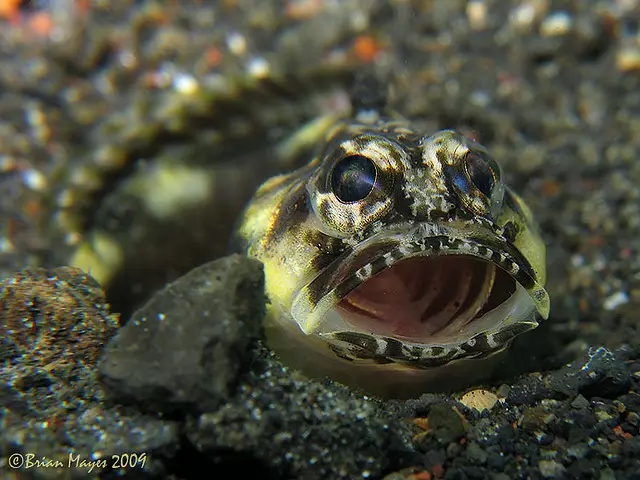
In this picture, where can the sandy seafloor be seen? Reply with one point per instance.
(131, 135)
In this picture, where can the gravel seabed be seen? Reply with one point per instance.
(112, 101)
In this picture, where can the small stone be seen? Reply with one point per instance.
(628, 58)
(544, 438)
(187, 346)
(631, 401)
(536, 419)
(551, 469)
(606, 413)
(34, 179)
(607, 474)
(477, 14)
(599, 373)
(578, 451)
(476, 454)
(503, 391)
(631, 447)
(237, 43)
(614, 301)
(453, 450)
(633, 419)
(258, 67)
(556, 24)
(446, 423)
(580, 402)
(526, 13)
(500, 476)
(527, 391)
(583, 468)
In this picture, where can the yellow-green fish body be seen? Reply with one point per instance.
(395, 261)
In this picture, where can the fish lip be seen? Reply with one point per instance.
(347, 272)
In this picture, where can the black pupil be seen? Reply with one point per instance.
(480, 173)
(353, 178)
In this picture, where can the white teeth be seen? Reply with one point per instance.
(365, 272)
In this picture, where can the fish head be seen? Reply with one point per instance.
(392, 246)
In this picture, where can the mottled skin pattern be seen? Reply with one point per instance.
(317, 249)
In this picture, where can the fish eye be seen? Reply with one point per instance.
(353, 178)
(480, 172)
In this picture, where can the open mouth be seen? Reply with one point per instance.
(430, 299)
(424, 286)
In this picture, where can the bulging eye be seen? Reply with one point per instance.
(353, 178)
(481, 172)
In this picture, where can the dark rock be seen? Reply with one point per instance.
(453, 450)
(580, 402)
(598, 373)
(575, 426)
(496, 460)
(536, 419)
(631, 447)
(527, 391)
(434, 458)
(187, 346)
(476, 454)
(584, 468)
(631, 401)
(455, 474)
(551, 469)
(500, 476)
(419, 407)
(473, 472)
(544, 439)
(446, 423)
(507, 437)
(53, 325)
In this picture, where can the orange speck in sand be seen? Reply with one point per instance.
(83, 6)
(9, 9)
(32, 208)
(366, 48)
(621, 433)
(41, 23)
(596, 241)
(550, 188)
(583, 305)
(214, 56)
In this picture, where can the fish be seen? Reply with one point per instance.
(396, 261)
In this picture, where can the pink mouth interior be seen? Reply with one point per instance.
(421, 297)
